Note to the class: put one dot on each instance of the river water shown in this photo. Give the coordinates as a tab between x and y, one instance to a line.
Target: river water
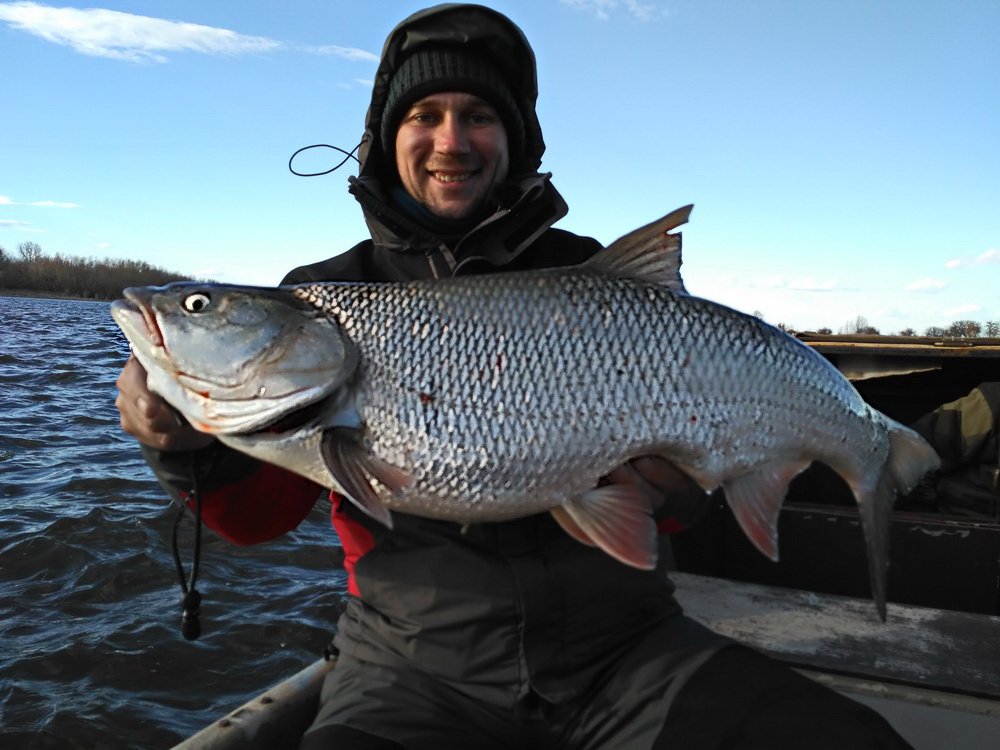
91	654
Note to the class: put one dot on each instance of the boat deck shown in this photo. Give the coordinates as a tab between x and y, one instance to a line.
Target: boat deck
934	674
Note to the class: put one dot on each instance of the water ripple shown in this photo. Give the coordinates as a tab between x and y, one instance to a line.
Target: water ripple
89	601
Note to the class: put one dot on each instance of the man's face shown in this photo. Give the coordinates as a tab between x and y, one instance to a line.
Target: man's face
451	149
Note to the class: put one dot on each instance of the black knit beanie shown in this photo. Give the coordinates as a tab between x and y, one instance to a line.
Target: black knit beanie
434	69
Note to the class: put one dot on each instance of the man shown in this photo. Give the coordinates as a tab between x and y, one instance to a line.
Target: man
500	635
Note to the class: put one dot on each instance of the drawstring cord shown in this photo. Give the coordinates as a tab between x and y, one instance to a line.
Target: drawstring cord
191	598
347	156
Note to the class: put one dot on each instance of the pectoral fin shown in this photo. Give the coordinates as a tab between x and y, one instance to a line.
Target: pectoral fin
756	499
351	464
615	518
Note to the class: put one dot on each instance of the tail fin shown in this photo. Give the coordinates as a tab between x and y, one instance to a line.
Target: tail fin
910	457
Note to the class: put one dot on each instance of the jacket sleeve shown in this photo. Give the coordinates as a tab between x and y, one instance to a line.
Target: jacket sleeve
965	431
682	511
244	501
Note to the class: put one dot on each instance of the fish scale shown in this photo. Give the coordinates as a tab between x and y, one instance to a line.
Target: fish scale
485	398
485	377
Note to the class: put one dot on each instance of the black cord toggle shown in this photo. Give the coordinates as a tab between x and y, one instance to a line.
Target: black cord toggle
190	620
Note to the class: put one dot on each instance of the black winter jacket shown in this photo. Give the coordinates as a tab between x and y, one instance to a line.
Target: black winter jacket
500	610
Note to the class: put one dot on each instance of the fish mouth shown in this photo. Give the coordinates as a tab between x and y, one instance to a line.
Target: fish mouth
217	398
133	306
302	417
148	317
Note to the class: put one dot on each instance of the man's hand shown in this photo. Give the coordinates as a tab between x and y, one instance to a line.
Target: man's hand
148	418
672	493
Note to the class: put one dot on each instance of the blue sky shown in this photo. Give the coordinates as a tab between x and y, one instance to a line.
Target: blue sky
843	156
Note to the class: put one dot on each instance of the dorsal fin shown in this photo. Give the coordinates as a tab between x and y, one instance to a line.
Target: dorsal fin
649	253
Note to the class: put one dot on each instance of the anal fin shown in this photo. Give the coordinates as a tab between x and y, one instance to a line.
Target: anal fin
756	498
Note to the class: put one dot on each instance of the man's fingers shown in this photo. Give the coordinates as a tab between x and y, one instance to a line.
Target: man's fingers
148	418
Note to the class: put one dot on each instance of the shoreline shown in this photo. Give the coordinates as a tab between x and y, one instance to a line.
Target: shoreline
39	294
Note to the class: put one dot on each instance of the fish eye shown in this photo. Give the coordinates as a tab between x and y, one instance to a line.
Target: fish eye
197	302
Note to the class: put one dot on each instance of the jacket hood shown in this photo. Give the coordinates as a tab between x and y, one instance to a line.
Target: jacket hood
487	32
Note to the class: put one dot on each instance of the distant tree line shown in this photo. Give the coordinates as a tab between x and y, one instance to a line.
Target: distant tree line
960	329
31	270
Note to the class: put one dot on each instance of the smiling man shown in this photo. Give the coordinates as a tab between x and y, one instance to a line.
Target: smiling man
496	635
451	150
449	119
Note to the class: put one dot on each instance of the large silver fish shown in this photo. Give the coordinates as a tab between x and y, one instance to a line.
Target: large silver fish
491	397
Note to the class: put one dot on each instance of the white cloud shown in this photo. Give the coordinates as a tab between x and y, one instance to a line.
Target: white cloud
603	9
124	36
7	201
799	284
811	284
987	256
54	204
966	309
926	285
13	224
769	282
347	53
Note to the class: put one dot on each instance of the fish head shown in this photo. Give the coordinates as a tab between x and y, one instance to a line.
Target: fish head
234	359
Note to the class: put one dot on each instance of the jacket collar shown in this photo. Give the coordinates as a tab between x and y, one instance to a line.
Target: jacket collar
528	207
